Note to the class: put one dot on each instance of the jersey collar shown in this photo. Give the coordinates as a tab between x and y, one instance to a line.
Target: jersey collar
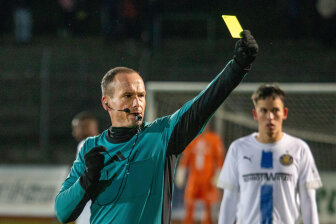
122	134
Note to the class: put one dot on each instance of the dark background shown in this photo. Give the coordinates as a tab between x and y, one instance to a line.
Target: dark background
296	44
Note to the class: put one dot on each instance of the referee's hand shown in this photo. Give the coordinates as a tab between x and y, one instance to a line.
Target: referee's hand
246	49
94	161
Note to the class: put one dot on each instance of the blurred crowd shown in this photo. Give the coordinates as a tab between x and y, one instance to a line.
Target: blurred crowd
22	19
119	19
133	19
324	19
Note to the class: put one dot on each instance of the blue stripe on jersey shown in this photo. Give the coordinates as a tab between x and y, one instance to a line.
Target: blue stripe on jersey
266	204
266	160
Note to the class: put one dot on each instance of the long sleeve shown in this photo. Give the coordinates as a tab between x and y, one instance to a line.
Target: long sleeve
228	208
187	122
308	206
72	198
70	203
192	117
155	154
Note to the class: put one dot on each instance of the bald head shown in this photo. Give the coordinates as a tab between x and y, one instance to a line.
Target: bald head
109	77
123	88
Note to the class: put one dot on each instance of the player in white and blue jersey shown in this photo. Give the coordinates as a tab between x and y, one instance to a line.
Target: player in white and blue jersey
269	176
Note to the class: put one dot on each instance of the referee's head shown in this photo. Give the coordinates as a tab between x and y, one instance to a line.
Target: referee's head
123	96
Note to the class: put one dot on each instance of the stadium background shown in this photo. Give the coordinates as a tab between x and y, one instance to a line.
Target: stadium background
44	83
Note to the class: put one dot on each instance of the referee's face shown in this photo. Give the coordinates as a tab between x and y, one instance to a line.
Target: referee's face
128	92
270	113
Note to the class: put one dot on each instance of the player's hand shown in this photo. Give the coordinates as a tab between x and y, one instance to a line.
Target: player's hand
94	161
246	49
180	177
215	177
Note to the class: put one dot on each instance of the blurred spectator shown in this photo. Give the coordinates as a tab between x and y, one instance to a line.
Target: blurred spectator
75	17
84	125
121	19
22	21
131	19
151	10
203	158
294	13
4	15
109	18
68	11
327	12
81	17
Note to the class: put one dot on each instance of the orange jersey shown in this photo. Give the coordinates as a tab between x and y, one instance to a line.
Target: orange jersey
202	157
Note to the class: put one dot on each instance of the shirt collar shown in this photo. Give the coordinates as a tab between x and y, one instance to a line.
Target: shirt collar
122	134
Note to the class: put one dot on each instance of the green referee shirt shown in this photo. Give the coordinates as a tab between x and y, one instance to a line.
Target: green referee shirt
136	184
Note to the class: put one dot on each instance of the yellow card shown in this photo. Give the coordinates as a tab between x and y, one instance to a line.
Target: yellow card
233	25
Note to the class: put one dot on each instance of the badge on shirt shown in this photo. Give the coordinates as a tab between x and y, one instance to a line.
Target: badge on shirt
286	159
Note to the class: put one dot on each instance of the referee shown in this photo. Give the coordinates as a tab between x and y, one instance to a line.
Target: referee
128	170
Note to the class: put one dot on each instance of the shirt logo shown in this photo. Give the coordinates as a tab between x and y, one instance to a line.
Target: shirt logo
267	177
286	159
248	158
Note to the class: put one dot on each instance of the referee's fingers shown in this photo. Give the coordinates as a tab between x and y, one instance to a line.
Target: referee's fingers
245	33
98	149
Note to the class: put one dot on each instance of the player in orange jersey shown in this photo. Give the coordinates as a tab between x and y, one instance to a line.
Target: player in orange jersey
203	158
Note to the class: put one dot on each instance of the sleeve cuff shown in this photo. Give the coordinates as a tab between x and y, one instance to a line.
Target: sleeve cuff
315	184
238	68
228	186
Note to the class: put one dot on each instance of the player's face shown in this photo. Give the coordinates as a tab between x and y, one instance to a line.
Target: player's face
128	92
270	114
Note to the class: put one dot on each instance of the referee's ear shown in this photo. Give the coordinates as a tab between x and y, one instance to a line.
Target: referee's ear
104	103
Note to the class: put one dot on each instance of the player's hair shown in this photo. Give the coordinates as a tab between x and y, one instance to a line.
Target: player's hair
268	90
84	115
109	77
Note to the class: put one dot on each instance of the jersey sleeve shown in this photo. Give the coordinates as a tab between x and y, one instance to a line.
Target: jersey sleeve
228	177
309	175
308	205
189	121
72	198
228	208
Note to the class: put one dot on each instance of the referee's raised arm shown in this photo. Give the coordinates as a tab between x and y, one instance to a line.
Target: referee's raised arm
137	185
198	111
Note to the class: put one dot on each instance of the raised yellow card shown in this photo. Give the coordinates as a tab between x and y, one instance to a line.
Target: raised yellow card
233	25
